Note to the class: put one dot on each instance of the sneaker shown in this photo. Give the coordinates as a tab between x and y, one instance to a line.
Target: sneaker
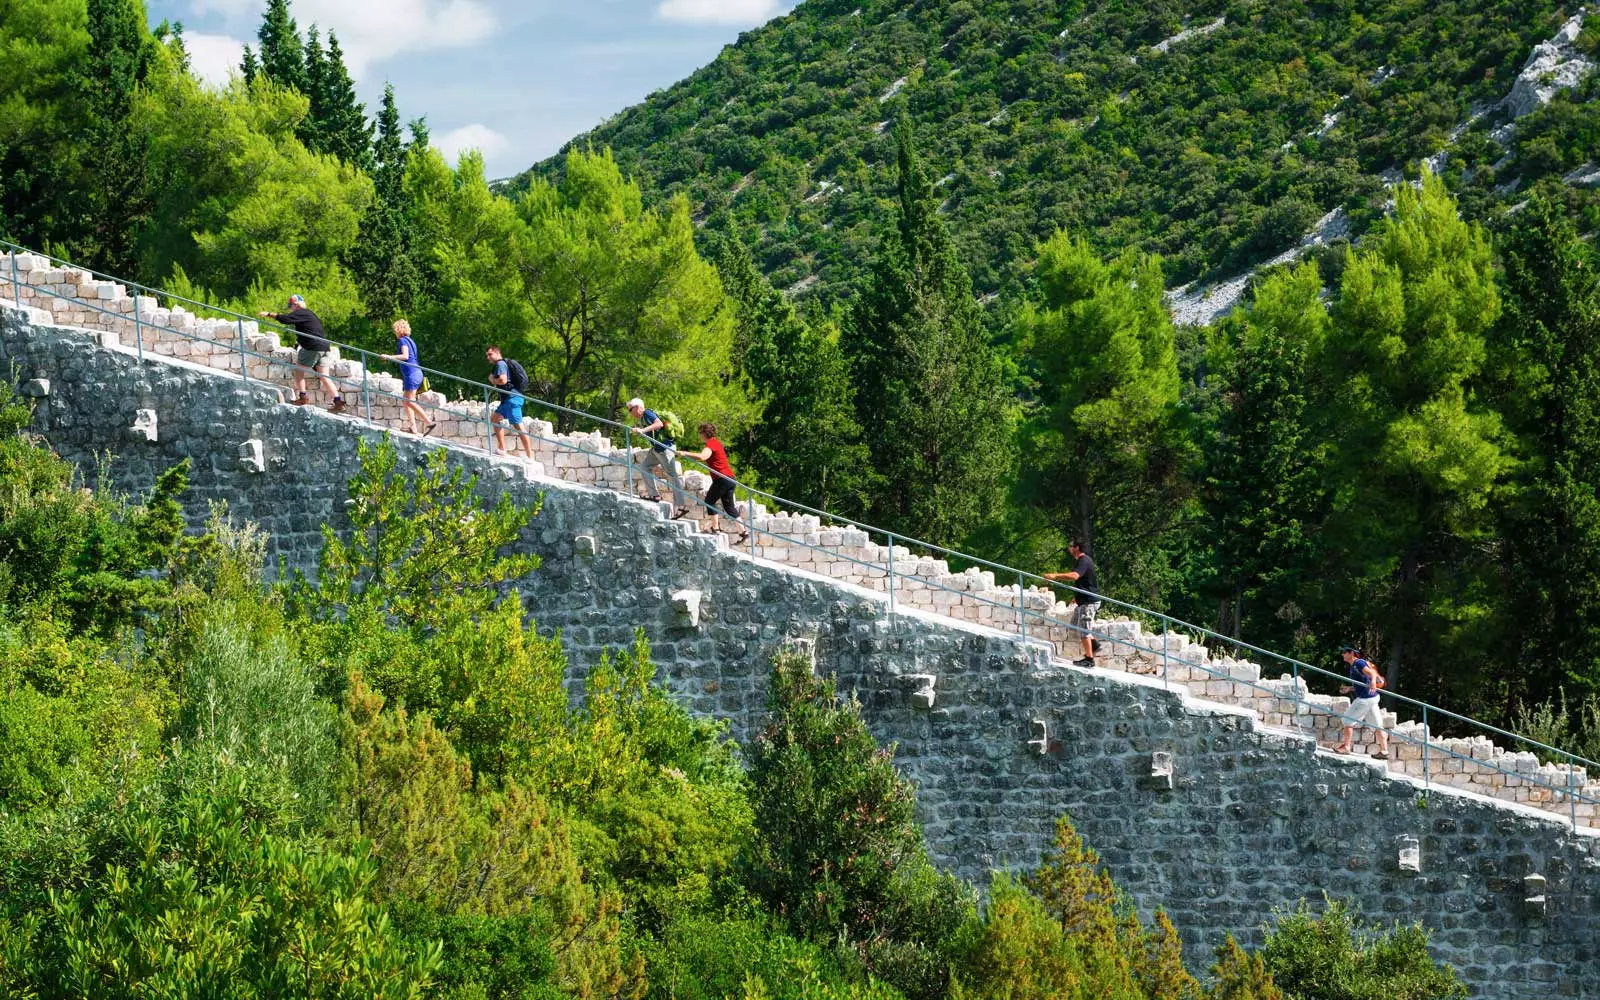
338	406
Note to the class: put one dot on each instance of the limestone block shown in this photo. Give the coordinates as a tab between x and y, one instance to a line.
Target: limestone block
144	426
252	457
686	604
1410	854
37	388
585	545
920	689
1161	770
1533	893
1041	737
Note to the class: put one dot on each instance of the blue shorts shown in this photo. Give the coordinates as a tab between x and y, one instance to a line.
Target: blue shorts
510	410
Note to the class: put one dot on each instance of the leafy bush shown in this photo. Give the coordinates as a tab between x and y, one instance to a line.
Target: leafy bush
1334	957
839	854
708	958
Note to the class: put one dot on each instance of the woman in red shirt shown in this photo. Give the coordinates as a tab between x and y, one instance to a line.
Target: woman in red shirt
716	460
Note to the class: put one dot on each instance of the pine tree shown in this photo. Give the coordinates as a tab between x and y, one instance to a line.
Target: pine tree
249	66
1552	531
806	445
1240	975
1419	456
283	57
931	396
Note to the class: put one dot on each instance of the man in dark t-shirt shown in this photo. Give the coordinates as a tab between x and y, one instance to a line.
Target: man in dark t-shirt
311	350
1085	599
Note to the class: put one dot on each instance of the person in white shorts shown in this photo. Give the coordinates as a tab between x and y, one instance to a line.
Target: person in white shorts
1365	682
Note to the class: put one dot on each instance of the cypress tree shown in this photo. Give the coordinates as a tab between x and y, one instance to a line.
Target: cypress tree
314	130
382	262
346	131
807	443
115	196
283	57
1552	530
930	393
249	66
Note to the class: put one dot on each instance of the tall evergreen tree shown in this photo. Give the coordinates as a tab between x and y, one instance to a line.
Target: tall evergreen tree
249	65
1552	530
283	56
1101	446
313	131
806	446
1419	454
346	133
1262	489
931	396
115	192
382	259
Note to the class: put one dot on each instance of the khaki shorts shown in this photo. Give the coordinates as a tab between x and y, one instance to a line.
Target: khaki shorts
1364	712
307	358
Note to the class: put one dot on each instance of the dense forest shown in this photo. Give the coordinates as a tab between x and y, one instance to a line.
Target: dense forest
375	786
1212	133
1393	444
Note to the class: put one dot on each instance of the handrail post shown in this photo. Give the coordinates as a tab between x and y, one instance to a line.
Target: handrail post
890	536
138	325
627	451
1295	680
488	440
1166	657
1022	607
366	393
244	359
750	512
1572	798
1427	738
16	285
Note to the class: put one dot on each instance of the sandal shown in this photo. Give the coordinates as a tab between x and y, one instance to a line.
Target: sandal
743	536
1381	755
1342	750
429	429
651	499
680	513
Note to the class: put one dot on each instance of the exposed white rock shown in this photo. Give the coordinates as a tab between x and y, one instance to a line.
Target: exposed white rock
1203	305
894	88
1587	176
824	189
1553	66
1329	120
1183	36
1383	73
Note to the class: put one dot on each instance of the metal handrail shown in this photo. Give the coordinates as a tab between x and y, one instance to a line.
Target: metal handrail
896	543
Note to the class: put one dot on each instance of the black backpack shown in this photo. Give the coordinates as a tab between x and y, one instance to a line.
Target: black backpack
517	375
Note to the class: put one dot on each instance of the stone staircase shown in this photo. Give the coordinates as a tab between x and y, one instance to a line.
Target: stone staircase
805	543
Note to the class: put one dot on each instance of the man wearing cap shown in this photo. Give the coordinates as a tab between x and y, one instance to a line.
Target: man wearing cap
661	455
312	351
1363	691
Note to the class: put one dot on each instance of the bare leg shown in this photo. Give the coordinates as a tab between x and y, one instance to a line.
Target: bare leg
299	382
499	431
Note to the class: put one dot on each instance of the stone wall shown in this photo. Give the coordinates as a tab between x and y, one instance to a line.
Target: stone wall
1196	806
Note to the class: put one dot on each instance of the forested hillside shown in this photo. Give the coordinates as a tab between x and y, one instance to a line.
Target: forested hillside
1215	134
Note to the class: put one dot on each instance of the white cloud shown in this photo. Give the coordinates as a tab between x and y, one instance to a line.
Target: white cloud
213	57
718	11
373	30
475	136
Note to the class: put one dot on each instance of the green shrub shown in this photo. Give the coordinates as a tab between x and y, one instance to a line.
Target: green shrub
1334	957
839	854
709	958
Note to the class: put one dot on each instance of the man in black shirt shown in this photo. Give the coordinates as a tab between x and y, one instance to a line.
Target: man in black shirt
312	352
1086	599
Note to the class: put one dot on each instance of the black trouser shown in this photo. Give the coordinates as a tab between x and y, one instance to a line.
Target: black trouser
722	489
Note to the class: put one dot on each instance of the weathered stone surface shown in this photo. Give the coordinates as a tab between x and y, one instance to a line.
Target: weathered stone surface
143	427
686	605
251	456
35	388
1255	820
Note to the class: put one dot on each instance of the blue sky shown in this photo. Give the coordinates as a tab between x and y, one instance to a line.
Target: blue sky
514	78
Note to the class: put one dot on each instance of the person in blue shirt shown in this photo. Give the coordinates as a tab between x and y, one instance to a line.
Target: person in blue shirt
509	412
410	379
662	455
1365	681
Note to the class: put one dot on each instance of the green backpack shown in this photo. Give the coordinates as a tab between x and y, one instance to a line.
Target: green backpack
674	425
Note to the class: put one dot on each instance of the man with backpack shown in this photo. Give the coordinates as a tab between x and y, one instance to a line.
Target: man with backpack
658	431
512	379
1365	682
